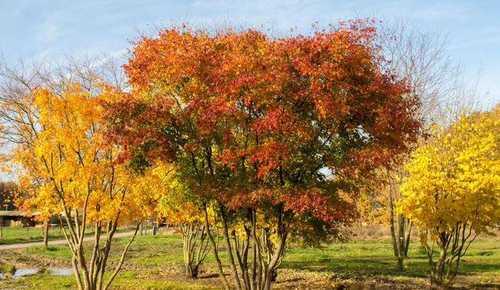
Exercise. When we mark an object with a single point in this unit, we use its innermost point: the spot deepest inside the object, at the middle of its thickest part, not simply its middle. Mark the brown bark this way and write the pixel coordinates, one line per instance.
(215, 250)
(46, 226)
(195, 248)
(259, 272)
(230, 249)
(400, 228)
(155, 228)
(452, 245)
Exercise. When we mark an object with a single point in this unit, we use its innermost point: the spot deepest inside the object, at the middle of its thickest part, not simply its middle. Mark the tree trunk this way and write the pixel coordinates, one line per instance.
(192, 271)
(194, 247)
(46, 226)
(260, 272)
(215, 249)
(408, 238)
(230, 248)
(155, 228)
(400, 228)
(90, 273)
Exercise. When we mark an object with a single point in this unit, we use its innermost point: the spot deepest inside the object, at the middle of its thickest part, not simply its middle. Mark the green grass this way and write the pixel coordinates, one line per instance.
(374, 258)
(156, 263)
(15, 235)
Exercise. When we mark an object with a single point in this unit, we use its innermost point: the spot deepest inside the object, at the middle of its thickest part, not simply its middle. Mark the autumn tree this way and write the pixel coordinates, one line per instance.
(185, 214)
(378, 206)
(181, 209)
(164, 196)
(452, 190)
(400, 226)
(273, 133)
(19, 116)
(422, 59)
(69, 169)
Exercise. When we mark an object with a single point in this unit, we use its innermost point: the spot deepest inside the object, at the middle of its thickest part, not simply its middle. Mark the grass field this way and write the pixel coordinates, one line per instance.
(155, 262)
(15, 235)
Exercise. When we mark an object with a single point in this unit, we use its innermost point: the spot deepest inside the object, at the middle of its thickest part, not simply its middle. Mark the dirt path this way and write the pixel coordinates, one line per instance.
(55, 242)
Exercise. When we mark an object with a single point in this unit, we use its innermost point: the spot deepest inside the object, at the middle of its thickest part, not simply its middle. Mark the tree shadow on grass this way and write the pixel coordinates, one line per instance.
(486, 285)
(377, 266)
(467, 266)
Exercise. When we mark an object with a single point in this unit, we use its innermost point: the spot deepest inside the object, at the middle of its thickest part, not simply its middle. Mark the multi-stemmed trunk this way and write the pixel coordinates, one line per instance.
(89, 274)
(253, 257)
(452, 246)
(400, 234)
(400, 227)
(195, 247)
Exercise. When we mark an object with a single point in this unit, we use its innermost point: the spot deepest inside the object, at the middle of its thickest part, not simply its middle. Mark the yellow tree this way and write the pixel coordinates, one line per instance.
(452, 191)
(170, 199)
(149, 188)
(378, 205)
(68, 169)
(19, 116)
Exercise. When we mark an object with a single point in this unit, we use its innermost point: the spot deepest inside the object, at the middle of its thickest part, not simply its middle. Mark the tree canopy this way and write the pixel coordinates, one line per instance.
(455, 177)
(452, 190)
(275, 127)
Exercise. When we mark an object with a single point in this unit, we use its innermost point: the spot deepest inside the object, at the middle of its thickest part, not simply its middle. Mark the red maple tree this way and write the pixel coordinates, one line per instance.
(273, 132)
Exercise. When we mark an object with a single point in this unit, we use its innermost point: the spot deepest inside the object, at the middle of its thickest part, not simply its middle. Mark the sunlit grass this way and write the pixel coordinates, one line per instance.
(14, 235)
(155, 262)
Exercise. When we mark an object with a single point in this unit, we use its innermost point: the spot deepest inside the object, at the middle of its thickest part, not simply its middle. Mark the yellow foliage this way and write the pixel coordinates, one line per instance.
(455, 177)
(69, 168)
(158, 192)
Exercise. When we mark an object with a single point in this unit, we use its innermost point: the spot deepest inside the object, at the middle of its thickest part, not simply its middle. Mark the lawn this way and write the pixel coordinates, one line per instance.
(14, 235)
(155, 262)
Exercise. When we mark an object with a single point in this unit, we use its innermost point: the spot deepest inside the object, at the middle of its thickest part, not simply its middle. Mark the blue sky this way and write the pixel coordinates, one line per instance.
(50, 30)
